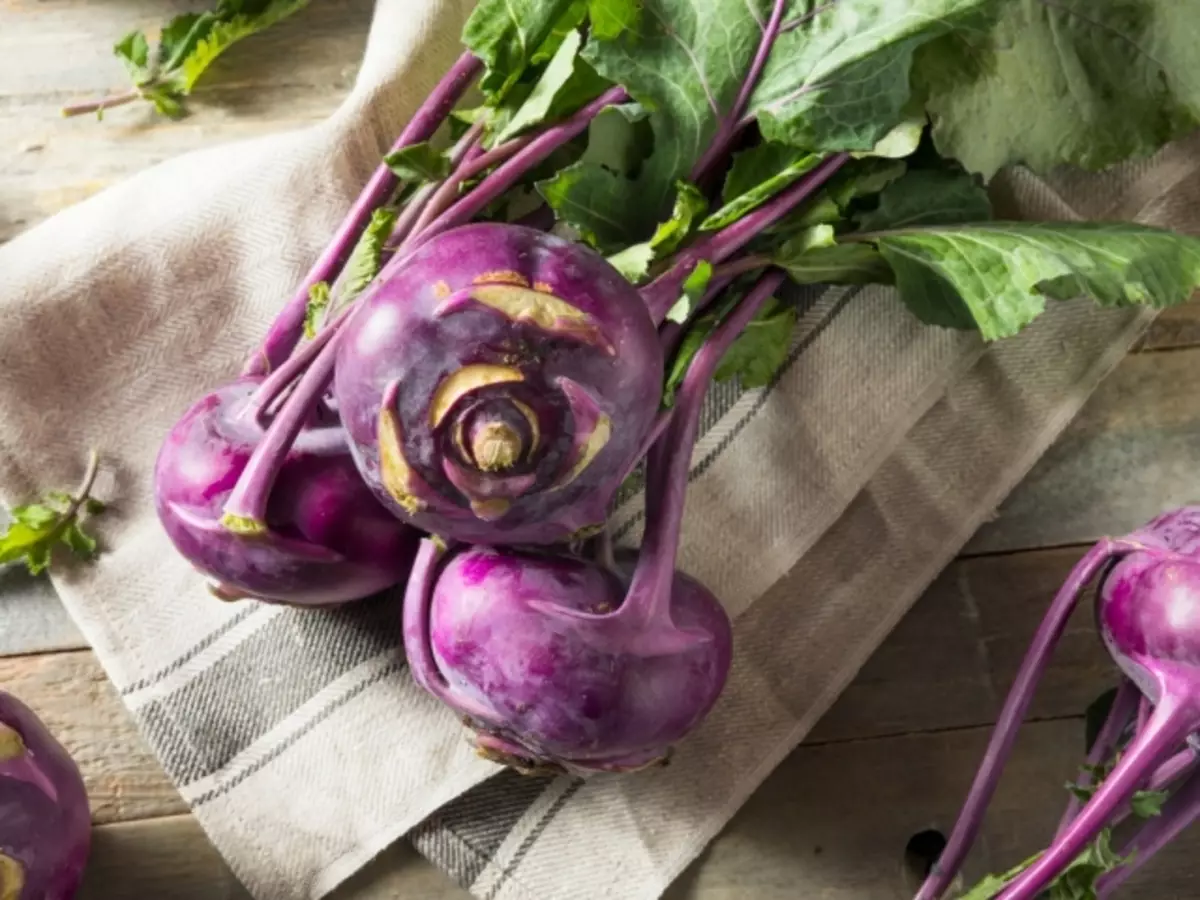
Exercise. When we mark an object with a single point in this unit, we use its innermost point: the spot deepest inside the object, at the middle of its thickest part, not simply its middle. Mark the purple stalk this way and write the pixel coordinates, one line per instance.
(1173, 718)
(647, 607)
(662, 293)
(95, 106)
(293, 367)
(1169, 772)
(467, 148)
(504, 177)
(670, 332)
(287, 328)
(447, 193)
(1016, 705)
(246, 509)
(1119, 716)
(418, 605)
(1180, 811)
(729, 124)
(1143, 712)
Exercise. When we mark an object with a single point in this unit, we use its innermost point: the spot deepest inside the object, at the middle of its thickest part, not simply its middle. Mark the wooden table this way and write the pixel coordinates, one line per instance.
(895, 754)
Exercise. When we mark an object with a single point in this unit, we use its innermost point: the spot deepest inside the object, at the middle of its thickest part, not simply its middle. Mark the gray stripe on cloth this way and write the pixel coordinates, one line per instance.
(463, 836)
(278, 750)
(196, 649)
(699, 468)
(532, 837)
(284, 664)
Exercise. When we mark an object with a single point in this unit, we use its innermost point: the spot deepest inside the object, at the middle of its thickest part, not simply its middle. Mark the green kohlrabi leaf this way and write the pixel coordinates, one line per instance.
(367, 256)
(567, 84)
(761, 348)
(1073, 81)
(857, 179)
(506, 34)
(1003, 272)
(188, 45)
(417, 163)
(34, 530)
(839, 79)
(314, 313)
(635, 261)
(928, 197)
(612, 18)
(813, 257)
(757, 175)
(694, 288)
(686, 63)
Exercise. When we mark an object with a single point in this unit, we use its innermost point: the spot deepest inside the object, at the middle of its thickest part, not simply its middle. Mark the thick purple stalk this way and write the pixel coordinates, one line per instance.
(504, 177)
(1174, 768)
(467, 148)
(1143, 712)
(1173, 718)
(669, 333)
(287, 328)
(447, 192)
(1016, 705)
(662, 293)
(246, 508)
(1180, 811)
(1124, 706)
(729, 124)
(647, 606)
(293, 367)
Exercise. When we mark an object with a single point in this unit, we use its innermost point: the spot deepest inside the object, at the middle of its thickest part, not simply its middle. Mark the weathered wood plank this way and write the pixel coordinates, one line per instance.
(1174, 329)
(951, 660)
(834, 818)
(292, 75)
(1133, 451)
(75, 699)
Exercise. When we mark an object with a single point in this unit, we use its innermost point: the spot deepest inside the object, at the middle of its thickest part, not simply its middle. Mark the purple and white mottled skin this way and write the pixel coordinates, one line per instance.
(542, 689)
(1148, 615)
(563, 664)
(45, 823)
(538, 361)
(328, 540)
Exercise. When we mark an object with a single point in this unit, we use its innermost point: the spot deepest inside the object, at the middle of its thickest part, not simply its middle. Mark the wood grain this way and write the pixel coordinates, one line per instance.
(1133, 451)
(835, 818)
(71, 694)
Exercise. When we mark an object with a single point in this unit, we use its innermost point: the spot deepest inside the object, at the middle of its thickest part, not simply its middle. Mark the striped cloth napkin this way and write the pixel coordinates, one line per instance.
(820, 507)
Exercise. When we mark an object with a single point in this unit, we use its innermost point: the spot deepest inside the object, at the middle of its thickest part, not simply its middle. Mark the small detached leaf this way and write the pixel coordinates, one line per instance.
(36, 529)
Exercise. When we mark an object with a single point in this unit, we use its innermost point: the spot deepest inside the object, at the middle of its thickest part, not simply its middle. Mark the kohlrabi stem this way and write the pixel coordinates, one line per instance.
(246, 509)
(506, 175)
(1180, 811)
(946, 867)
(1143, 712)
(293, 367)
(670, 333)
(288, 326)
(729, 123)
(101, 104)
(468, 147)
(647, 606)
(447, 192)
(1124, 706)
(1170, 722)
(416, 624)
(1179, 764)
(662, 293)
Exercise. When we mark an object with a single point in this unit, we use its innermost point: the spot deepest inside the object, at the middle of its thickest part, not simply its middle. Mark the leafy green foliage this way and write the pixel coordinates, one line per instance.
(634, 262)
(188, 46)
(756, 176)
(367, 256)
(36, 529)
(840, 80)
(762, 347)
(928, 197)
(1000, 274)
(694, 288)
(507, 34)
(814, 257)
(417, 163)
(1077, 82)
(318, 304)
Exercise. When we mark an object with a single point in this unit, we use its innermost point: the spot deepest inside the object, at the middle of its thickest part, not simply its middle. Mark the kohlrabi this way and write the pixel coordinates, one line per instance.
(45, 823)
(497, 383)
(561, 662)
(1148, 614)
(308, 530)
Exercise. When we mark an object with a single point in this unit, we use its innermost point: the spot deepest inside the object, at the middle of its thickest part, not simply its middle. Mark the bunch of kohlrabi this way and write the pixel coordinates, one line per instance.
(534, 290)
